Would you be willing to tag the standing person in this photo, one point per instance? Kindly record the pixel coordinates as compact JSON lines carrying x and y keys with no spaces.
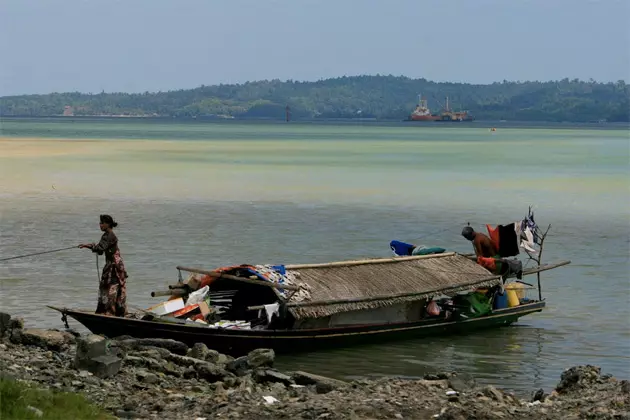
{"x":112,"y":291}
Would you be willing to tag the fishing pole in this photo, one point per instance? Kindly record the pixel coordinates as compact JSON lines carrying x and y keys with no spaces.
{"x":38,"y":253}
{"x":433,"y":233}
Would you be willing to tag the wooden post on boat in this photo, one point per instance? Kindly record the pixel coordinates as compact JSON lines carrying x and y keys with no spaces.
{"x":542,"y":241}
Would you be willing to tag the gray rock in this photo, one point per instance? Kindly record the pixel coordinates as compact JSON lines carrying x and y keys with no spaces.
{"x":136,"y":361}
{"x":261,"y":358}
{"x":92,"y":345}
{"x":47,"y":339}
{"x":40,"y":364}
{"x":88,"y":348}
{"x":462,"y":382}
{"x":173,"y":346}
{"x":202,"y":352}
{"x":578,"y":377}
{"x":5,"y":319}
{"x":625,"y":386}
{"x":152,"y":353}
{"x":16,"y":325}
{"x":493,"y":393}
{"x":72,"y":331}
{"x":190,"y":373}
{"x":93,"y":355}
{"x":147,"y":377}
{"x":539,"y":395}
{"x":223,"y":359}
{"x":269,"y":375}
{"x":105,"y":366}
{"x":185,"y":360}
{"x":162,"y":353}
{"x":322,"y":383}
{"x":212,"y":373}
{"x":239,"y":366}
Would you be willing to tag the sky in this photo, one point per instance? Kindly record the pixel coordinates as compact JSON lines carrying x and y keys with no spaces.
{"x":159,"y":45}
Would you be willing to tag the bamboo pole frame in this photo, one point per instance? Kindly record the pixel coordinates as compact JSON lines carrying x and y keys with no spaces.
{"x":241,"y":279}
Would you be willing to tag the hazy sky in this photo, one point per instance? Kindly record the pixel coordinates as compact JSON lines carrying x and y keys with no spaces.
{"x":138,"y":45}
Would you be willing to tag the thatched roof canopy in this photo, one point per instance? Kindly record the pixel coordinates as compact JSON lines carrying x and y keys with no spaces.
{"x":352,"y":285}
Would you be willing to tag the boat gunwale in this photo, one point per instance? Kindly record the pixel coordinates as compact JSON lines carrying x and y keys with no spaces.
{"x":521,"y":310}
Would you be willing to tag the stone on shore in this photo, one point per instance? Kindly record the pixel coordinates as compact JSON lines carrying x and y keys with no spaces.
{"x":578,"y":377}
{"x":156,"y":383}
{"x":264,"y":376}
{"x":202,"y":352}
{"x":322,"y":384}
{"x":261,"y":358}
{"x":5,"y":319}
{"x":173,"y":346}
{"x":47,"y":339}
{"x":462,"y":382}
{"x":16,"y":326}
{"x":93,"y":354}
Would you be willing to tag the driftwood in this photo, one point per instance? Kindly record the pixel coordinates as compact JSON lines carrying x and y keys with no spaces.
{"x":368,"y":261}
{"x":241,"y":279}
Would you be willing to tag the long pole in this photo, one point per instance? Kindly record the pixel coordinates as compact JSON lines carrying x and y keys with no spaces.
{"x":241,"y":279}
{"x":37,"y":253}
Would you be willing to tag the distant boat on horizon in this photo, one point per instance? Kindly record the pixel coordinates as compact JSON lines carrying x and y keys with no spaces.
{"x":423,"y":113}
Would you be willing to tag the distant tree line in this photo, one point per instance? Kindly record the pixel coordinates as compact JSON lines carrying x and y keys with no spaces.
{"x":380,"y":97}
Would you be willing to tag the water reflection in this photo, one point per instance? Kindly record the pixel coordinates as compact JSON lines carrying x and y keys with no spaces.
{"x":510,"y":356}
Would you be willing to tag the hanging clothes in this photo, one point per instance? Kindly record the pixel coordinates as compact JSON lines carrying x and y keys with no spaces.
{"x":529,"y":222}
{"x":508,"y":241}
{"x":493,"y":233}
{"x":527,"y":241}
{"x":512,"y":267}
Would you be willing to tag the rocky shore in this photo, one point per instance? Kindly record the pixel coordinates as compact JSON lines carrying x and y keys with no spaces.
{"x":165,"y":379}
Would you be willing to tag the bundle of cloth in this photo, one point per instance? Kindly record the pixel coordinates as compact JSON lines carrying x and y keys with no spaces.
{"x":404,"y":249}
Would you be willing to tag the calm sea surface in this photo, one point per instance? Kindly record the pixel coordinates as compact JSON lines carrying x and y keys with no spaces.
{"x":208,"y":194}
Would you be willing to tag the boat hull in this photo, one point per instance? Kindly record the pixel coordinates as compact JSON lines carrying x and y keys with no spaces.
{"x":240,"y":342}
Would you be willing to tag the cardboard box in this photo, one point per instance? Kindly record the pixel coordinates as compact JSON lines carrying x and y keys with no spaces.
{"x":167,"y":307}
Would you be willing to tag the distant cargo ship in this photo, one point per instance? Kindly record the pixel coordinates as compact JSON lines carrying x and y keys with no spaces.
{"x":423,"y":113}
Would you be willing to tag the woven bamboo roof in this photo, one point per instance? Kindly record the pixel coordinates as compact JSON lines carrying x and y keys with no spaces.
{"x":366,"y":284}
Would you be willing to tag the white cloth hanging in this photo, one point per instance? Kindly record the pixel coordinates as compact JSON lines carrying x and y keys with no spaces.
{"x":526,"y":237}
{"x":271,"y":310}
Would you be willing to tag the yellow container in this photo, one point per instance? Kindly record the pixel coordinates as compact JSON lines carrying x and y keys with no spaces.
{"x":515,"y":292}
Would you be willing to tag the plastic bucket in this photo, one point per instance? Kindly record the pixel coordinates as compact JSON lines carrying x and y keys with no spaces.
{"x":500,"y":301}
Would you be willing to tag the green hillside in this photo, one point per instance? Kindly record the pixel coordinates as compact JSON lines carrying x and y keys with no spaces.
{"x":380,"y":97}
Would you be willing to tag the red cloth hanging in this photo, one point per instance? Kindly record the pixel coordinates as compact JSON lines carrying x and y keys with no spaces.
{"x":493,"y":233}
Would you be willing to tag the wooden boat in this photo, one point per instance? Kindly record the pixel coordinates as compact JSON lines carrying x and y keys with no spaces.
{"x":334,"y":304}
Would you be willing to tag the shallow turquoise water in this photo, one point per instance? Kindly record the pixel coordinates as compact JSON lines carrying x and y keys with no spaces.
{"x":215,"y":194}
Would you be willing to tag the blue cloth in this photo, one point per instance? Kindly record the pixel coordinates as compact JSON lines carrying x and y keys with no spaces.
{"x":280,"y":269}
{"x":401,"y":248}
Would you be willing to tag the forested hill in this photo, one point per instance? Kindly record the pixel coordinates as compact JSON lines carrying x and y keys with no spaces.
{"x":381,"y":97}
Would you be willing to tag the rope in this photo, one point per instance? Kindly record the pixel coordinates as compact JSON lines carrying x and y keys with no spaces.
{"x":37,"y":253}
{"x":98,"y":272}
{"x":434,"y":233}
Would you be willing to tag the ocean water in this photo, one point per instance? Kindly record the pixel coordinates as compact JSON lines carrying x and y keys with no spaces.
{"x":206,"y":194}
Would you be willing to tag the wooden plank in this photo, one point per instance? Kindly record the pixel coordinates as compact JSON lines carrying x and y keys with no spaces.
{"x":545,"y":267}
{"x":368,"y":261}
{"x":241,"y":279}
{"x":532,"y":270}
